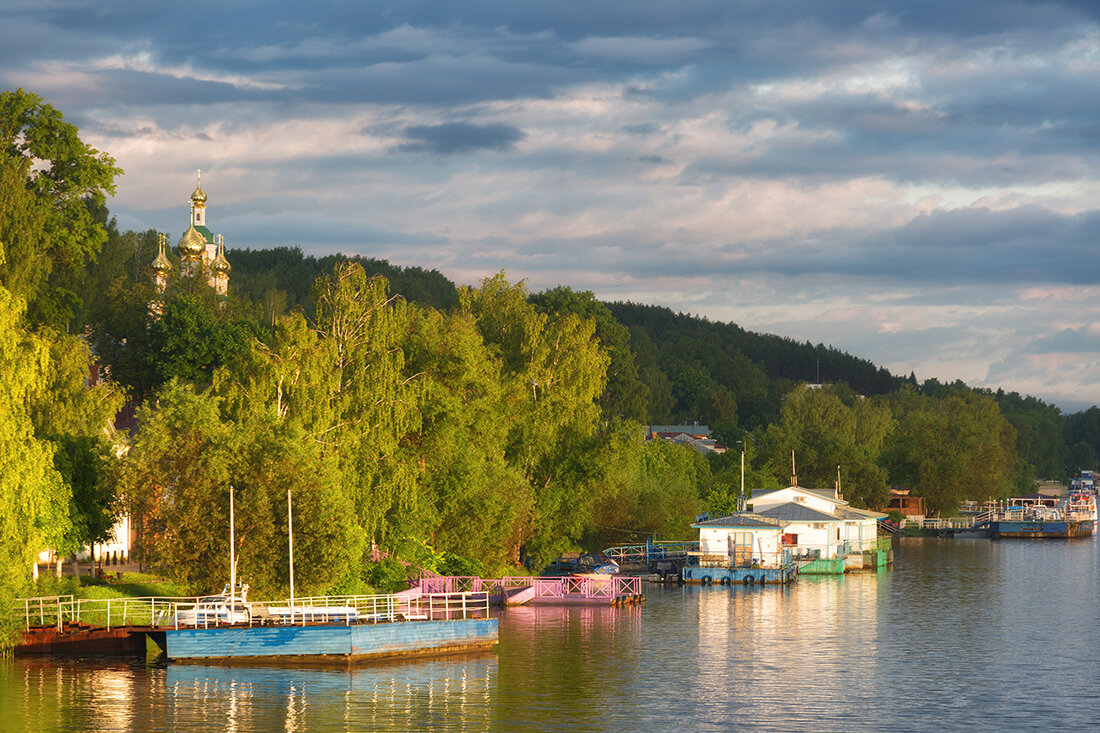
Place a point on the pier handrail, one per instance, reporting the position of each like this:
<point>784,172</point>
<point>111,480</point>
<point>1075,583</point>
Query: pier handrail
<point>658,550</point>
<point>172,612</point>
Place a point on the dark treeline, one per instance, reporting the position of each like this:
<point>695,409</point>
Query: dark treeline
<point>282,278</point>
<point>465,429</point>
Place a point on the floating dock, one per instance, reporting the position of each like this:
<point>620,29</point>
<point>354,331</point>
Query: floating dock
<point>332,630</point>
<point>349,643</point>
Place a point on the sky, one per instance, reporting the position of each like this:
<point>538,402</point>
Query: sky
<point>914,183</point>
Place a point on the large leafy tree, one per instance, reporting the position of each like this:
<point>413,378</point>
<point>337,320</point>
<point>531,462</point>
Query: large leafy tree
<point>646,489</point>
<point>78,418</point>
<point>474,498</point>
<point>60,181</point>
<point>951,447</point>
<point>829,429</point>
<point>553,371</point>
<point>34,501</point>
<point>625,395</point>
<point>192,338</point>
<point>372,402</point>
<point>191,449</point>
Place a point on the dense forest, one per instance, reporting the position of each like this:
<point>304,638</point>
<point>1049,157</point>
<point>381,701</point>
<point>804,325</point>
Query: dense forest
<point>461,428</point>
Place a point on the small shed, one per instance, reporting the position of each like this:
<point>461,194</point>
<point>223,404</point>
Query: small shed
<point>911,507</point>
<point>740,540</point>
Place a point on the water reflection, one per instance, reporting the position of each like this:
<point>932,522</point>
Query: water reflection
<point>406,696</point>
<point>961,634</point>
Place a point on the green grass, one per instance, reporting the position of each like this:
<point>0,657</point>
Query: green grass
<point>117,587</point>
<point>129,585</point>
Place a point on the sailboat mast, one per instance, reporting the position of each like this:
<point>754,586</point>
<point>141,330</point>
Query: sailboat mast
<point>290,536</point>
<point>232,549</point>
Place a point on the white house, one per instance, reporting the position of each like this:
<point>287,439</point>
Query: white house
<point>817,521</point>
<point>740,540</point>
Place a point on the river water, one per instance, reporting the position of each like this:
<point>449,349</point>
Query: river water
<point>961,634</point>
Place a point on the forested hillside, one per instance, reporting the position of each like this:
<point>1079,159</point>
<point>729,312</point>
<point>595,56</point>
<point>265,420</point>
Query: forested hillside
<point>464,428</point>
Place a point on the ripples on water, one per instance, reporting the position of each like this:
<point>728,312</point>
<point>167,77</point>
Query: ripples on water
<point>962,634</point>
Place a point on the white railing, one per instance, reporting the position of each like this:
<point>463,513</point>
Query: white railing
<point>744,557</point>
<point>103,612</point>
<point>204,612</point>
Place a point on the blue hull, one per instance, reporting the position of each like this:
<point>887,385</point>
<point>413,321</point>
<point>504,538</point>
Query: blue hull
<point>360,642</point>
<point>1040,530</point>
<point>739,576</point>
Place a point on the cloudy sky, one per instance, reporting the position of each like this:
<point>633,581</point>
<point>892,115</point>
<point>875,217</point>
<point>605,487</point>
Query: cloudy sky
<point>912,182</point>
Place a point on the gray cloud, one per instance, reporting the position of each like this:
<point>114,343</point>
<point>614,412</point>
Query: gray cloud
<point>1068,340</point>
<point>796,165</point>
<point>460,137</point>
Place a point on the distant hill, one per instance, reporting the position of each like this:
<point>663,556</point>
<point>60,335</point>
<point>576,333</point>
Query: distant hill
<point>284,273</point>
<point>690,348</point>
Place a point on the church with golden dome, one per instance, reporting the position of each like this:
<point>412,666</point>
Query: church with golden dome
<point>202,253</point>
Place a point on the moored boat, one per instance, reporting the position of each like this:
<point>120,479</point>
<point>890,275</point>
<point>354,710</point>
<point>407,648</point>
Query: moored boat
<point>345,629</point>
<point>1039,521</point>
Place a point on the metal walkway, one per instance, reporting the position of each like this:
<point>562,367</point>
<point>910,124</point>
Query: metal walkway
<point>614,590</point>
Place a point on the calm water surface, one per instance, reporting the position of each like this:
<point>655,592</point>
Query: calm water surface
<point>962,634</point>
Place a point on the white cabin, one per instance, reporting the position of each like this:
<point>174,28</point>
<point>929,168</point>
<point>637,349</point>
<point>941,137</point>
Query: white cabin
<point>817,522</point>
<point>743,539</point>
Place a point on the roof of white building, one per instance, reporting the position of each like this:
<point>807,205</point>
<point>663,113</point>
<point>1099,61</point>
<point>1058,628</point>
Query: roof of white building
<point>742,519</point>
<point>794,512</point>
<point>828,494</point>
<point>850,512</point>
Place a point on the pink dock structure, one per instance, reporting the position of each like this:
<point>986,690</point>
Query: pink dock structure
<point>613,590</point>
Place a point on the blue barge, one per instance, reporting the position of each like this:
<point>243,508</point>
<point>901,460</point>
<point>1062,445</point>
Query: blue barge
<point>1039,529</point>
<point>340,630</point>
<point>1040,517</point>
<point>362,642</point>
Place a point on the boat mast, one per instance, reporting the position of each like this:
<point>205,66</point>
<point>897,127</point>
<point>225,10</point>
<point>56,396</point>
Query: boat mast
<point>290,536</point>
<point>232,550</point>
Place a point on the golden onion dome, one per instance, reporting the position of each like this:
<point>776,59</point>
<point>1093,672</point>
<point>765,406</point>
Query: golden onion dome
<point>198,198</point>
<point>220,265</point>
<point>161,263</point>
<point>191,244</point>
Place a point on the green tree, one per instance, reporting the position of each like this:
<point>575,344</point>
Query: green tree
<point>825,434</point>
<point>625,396</point>
<point>33,497</point>
<point>645,489</point>
<point>553,371</point>
<point>478,500</point>
<point>52,223</point>
<point>1041,433</point>
<point>190,339</point>
<point>177,479</point>
<point>950,448</point>
<point>373,401</point>
<point>78,418</point>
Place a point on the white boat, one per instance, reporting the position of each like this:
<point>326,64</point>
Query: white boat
<point>307,614</point>
<point>1081,505</point>
<point>227,607</point>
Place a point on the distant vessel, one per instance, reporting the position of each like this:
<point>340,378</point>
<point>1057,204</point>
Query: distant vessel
<point>1036,516</point>
<point>1083,482</point>
<point>1081,505</point>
